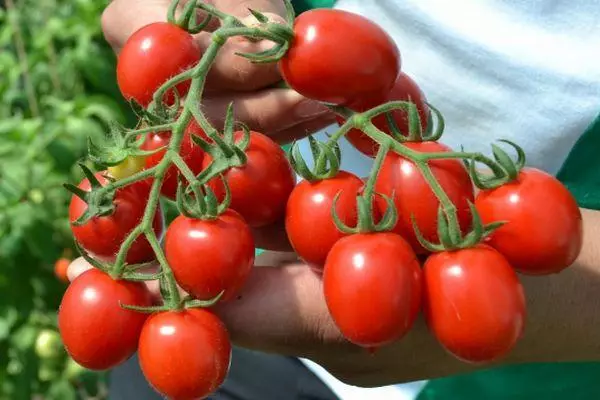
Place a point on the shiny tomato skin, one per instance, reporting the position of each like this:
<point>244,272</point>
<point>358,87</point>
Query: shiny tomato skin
<point>308,219</point>
<point>209,256</point>
<point>150,57</point>
<point>473,303</point>
<point>338,57</point>
<point>189,151</point>
<point>405,89</point>
<point>372,285</point>
<point>260,188</point>
<point>185,355</point>
<point>97,332</point>
<point>413,195</point>
<point>102,236</point>
<point>543,233</point>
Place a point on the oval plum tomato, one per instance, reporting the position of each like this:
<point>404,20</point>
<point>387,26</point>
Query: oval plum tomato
<point>60,269</point>
<point>150,57</point>
<point>226,247</point>
<point>372,285</point>
<point>185,354</point>
<point>260,188</point>
<point>353,55</point>
<point>308,221</point>
<point>189,152</point>
<point>413,195</point>
<point>96,331</point>
<point>543,233</point>
<point>473,303</point>
<point>102,236</point>
<point>405,89</point>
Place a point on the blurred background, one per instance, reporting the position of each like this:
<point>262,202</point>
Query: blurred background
<point>57,87</point>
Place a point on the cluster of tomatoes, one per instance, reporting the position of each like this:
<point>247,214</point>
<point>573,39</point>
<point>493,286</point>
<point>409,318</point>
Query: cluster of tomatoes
<point>375,283</point>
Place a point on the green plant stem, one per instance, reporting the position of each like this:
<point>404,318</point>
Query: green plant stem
<point>174,296</point>
<point>421,161</point>
<point>149,129</point>
<point>366,222</point>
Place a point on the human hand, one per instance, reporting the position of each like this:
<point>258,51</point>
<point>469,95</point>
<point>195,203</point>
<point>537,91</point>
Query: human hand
<point>282,114</point>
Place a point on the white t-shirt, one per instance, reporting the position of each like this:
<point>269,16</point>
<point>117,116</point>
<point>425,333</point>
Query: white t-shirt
<point>523,70</point>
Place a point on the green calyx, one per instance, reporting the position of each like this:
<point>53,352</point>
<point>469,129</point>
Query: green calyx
<point>202,203</point>
<point>327,159</point>
<point>510,168</point>
<point>450,235</point>
<point>99,199</point>
<point>365,202</point>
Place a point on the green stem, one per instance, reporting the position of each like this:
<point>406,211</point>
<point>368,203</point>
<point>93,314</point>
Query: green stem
<point>119,267</point>
<point>421,161</point>
<point>174,296</point>
<point>149,129</point>
<point>138,176</point>
<point>366,222</point>
<point>479,157</point>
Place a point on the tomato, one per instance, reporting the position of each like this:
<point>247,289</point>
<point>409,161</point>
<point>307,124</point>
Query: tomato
<point>191,154</point>
<point>186,354</point>
<point>308,221</point>
<point>338,57</point>
<point>405,89</point>
<point>372,285</point>
<point>473,303</point>
<point>102,236</point>
<point>209,256</point>
<point>127,167</point>
<point>60,269</point>
<point>413,195</point>
<point>260,188</point>
<point>151,56</point>
<point>96,331</point>
<point>48,345</point>
<point>543,233</point>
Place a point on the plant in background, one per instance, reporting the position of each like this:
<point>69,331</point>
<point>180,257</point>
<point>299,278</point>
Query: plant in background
<point>58,88</point>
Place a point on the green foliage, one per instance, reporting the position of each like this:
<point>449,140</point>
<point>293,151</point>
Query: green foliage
<point>57,87</point>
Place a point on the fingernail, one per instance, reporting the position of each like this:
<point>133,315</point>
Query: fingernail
<point>309,109</point>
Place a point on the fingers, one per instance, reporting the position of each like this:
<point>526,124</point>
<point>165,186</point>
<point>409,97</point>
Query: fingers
<point>232,72</point>
<point>281,309</point>
<point>272,237</point>
<point>77,267</point>
<point>271,111</point>
<point>121,18</point>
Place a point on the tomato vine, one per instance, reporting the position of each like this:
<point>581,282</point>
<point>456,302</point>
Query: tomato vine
<point>212,204</point>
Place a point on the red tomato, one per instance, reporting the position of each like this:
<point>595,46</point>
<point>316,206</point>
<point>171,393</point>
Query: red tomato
<point>413,195</point>
<point>372,285</point>
<point>405,89</point>
<point>308,221</point>
<point>102,236</point>
<point>209,256</point>
<point>186,354</point>
<point>191,154</point>
<point>473,303</point>
<point>60,269</point>
<point>96,331</point>
<point>151,56</point>
<point>351,54</point>
<point>259,189</point>
<point>544,229</point>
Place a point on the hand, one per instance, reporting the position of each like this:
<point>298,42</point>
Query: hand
<point>282,114</point>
